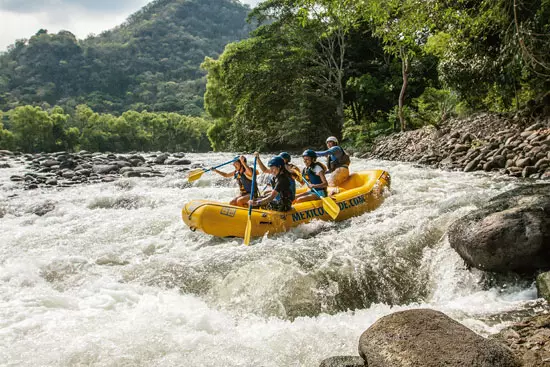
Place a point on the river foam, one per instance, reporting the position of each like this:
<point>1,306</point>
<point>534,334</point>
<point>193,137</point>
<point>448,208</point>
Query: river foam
<point>108,275</point>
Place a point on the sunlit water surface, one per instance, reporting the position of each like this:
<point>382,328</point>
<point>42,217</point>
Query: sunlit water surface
<point>111,276</point>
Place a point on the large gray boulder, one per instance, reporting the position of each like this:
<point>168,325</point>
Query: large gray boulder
<point>428,338</point>
<point>510,233</point>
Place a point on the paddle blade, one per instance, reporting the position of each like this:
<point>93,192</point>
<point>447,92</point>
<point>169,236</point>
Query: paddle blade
<point>248,231</point>
<point>195,175</point>
<point>331,207</point>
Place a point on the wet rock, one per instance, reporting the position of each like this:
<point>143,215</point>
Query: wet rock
<point>69,163</point>
<point>41,209</point>
<point>135,162</point>
<point>543,286</point>
<point>170,161</point>
<point>528,172</point>
<point>123,170</point>
<point>182,162</point>
<point>529,340</point>
<point>343,361</point>
<point>510,233</point>
<point>104,168</point>
<point>6,153</point>
<point>161,158</point>
<point>68,174</point>
<point>472,165</point>
<point>108,179</point>
<point>84,172</point>
<point>121,164</point>
<point>16,178</point>
<point>131,174</point>
<point>4,165</point>
<point>50,163</point>
<point>533,127</point>
<point>51,182</point>
<point>542,163</point>
<point>428,338</point>
<point>524,162</point>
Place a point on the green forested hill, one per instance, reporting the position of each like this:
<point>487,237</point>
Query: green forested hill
<point>151,62</point>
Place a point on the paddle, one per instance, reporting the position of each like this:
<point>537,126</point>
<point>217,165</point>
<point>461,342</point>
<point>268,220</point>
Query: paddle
<point>329,205</point>
<point>194,175</point>
<point>248,230</point>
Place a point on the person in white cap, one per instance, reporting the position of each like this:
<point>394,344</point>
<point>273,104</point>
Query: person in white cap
<point>337,162</point>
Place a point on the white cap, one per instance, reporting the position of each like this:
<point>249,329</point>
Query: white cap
<point>332,139</point>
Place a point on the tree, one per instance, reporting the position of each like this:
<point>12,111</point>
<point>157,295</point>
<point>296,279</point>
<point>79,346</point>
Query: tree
<point>403,27</point>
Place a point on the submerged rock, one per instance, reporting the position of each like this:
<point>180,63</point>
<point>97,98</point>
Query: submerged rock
<point>428,338</point>
<point>511,233</point>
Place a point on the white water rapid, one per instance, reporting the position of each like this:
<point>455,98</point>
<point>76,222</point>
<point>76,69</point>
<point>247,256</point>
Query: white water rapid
<point>112,276</point>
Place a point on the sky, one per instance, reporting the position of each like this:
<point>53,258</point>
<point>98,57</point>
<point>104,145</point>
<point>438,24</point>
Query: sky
<point>23,18</point>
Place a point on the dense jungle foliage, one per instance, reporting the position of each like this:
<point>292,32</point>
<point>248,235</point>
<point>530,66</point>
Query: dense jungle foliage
<point>151,62</point>
<point>298,71</point>
<point>358,68</point>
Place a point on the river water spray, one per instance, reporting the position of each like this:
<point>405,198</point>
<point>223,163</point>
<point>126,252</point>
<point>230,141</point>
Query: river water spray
<point>112,277</point>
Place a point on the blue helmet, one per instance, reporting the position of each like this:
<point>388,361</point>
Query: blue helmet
<point>309,153</point>
<point>276,161</point>
<point>285,156</point>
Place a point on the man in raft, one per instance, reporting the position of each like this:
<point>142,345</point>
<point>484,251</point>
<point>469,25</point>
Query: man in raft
<point>243,176</point>
<point>337,162</point>
<point>314,173</point>
<point>284,188</point>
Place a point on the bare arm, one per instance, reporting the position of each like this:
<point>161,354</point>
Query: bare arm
<point>224,174</point>
<point>262,165</point>
<point>247,170</point>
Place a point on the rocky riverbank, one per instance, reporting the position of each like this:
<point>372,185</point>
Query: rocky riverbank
<point>515,146</point>
<point>62,169</point>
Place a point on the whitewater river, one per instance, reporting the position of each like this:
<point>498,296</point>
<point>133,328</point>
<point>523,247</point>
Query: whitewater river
<point>112,277</point>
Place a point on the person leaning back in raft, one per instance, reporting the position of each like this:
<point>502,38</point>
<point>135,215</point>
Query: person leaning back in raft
<point>314,173</point>
<point>337,161</point>
<point>243,176</point>
<point>283,194</point>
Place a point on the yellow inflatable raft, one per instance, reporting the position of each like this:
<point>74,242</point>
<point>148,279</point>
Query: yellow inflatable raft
<point>362,192</point>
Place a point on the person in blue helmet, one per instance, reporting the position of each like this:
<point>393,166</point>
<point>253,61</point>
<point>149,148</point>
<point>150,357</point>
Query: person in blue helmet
<point>243,175</point>
<point>337,162</point>
<point>314,173</point>
<point>283,193</point>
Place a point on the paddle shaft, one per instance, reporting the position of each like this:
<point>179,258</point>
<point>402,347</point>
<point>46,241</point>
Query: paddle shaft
<point>248,230</point>
<point>221,165</point>
<point>253,187</point>
<point>311,187</point>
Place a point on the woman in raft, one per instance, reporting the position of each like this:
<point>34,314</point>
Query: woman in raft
<point>284,188</point>
<point>243,175</point>
<point>314,173</point>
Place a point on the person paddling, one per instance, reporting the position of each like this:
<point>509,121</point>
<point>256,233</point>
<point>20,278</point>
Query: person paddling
<point>293,170</point>
<point>314,173</point>
<point>283,193</point>
<point>337,162</point>
<point>243,176</point>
